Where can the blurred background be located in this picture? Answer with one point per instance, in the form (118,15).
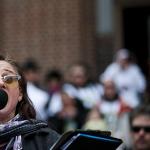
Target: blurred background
(58,33)
(65,46)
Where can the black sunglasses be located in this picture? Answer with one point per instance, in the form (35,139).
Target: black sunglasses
(138,128)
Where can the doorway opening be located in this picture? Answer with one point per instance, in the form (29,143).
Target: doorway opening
(136,29)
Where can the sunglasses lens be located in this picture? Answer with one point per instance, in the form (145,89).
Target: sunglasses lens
(9,80)
(137,129)
(147,129)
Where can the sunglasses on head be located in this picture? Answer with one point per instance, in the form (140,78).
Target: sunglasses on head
(138,128)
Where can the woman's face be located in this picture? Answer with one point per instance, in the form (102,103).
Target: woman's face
(11,88)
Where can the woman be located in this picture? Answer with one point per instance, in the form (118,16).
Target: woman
(18,127)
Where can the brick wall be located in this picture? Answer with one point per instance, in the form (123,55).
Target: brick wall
(58,32)
(55,32)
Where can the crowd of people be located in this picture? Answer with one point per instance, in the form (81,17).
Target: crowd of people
(115,102)
(74,101)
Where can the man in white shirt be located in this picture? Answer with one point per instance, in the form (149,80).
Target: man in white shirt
(38,96)
(127,76)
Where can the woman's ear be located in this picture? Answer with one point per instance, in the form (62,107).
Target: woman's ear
(20,95)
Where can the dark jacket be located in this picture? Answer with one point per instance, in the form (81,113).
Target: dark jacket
(36,135)
(41,139)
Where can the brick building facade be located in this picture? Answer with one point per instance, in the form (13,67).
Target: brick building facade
(58,33)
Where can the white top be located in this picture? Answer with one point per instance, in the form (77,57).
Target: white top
(130,77)
(39,98)
(129,81)
(55,104)
(89,95)
(107,107)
